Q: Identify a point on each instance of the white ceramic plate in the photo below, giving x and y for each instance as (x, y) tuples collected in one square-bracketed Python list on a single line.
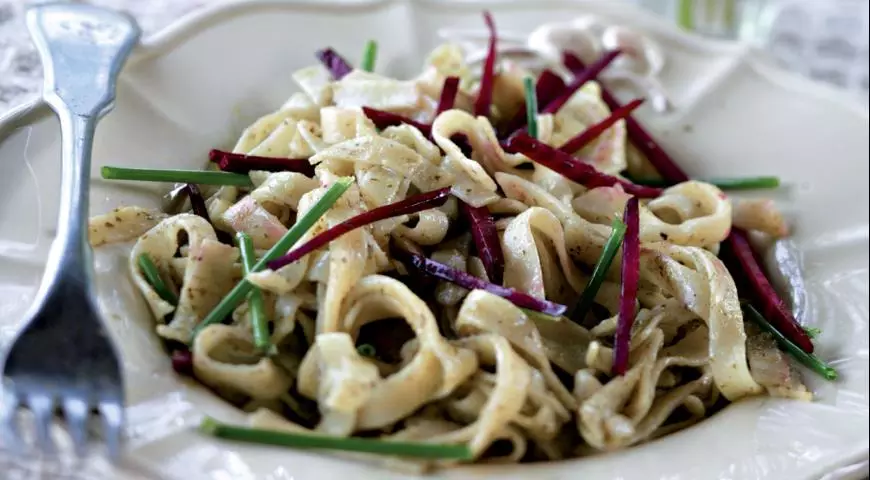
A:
[(195, 85)]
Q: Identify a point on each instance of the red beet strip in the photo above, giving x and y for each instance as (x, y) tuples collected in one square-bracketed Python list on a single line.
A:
[(383, 119), (241, 163), (335, 63), (547, 88), (487, 79), (767, 300), (586, 136), (572, 168), (182, 362), (573, 63), (772, 305), (628, 293), (197, 204), (486, 240), (448, 95), (417, 203), (580, 79), (636, 133), (466, 280)]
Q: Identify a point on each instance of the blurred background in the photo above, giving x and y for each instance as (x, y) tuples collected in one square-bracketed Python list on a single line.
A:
[(826, 40)]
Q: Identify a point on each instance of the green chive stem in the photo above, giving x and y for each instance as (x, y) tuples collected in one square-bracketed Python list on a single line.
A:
[(240, 291), (152, 274), (738, 183), (256, 309), (611, 247), (198, 177), (813, 332), (531, 106), (212, 427), (370, 56), (808, 359)]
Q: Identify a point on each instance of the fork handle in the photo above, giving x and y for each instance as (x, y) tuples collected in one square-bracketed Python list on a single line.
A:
[(70, 256), (82, 50)]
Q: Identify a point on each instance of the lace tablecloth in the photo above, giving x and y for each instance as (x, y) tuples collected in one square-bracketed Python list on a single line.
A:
[(20, 71)]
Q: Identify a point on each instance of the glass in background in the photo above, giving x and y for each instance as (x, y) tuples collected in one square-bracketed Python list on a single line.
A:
[(826, 40)]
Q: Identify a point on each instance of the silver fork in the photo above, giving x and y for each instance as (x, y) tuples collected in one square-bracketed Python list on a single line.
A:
[(64, 356)]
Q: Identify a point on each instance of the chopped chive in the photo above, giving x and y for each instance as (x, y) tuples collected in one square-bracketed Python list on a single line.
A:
[(808, 359), (531, 106), (259, 323), (370, 55), (199, 177), (813, 332), (600, 271), (211, 426), (152, 274), (366, 350), (302, 225), (737, 183)]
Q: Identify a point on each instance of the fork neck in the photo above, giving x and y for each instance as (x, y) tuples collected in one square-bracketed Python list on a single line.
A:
[(71, 254)]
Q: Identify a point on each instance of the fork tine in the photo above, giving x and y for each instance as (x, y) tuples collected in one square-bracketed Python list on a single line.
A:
[(75, 412), (9, 428), (113, 421), (42, 406)]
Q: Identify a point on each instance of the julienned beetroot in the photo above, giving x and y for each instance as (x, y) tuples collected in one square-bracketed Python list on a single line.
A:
[(182, 362), (335, 63), (572, 168), (594, 131), (448, 95), (581, 79), (487, 79), (628, 292), (766, 299), (548, 87), (744, 259), (486, 240), (470, 282), (417, 203), (241, 163), (639, 137), (383, 119)]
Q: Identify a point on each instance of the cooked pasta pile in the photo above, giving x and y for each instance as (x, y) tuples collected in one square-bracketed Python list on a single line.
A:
[(363, 344)]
